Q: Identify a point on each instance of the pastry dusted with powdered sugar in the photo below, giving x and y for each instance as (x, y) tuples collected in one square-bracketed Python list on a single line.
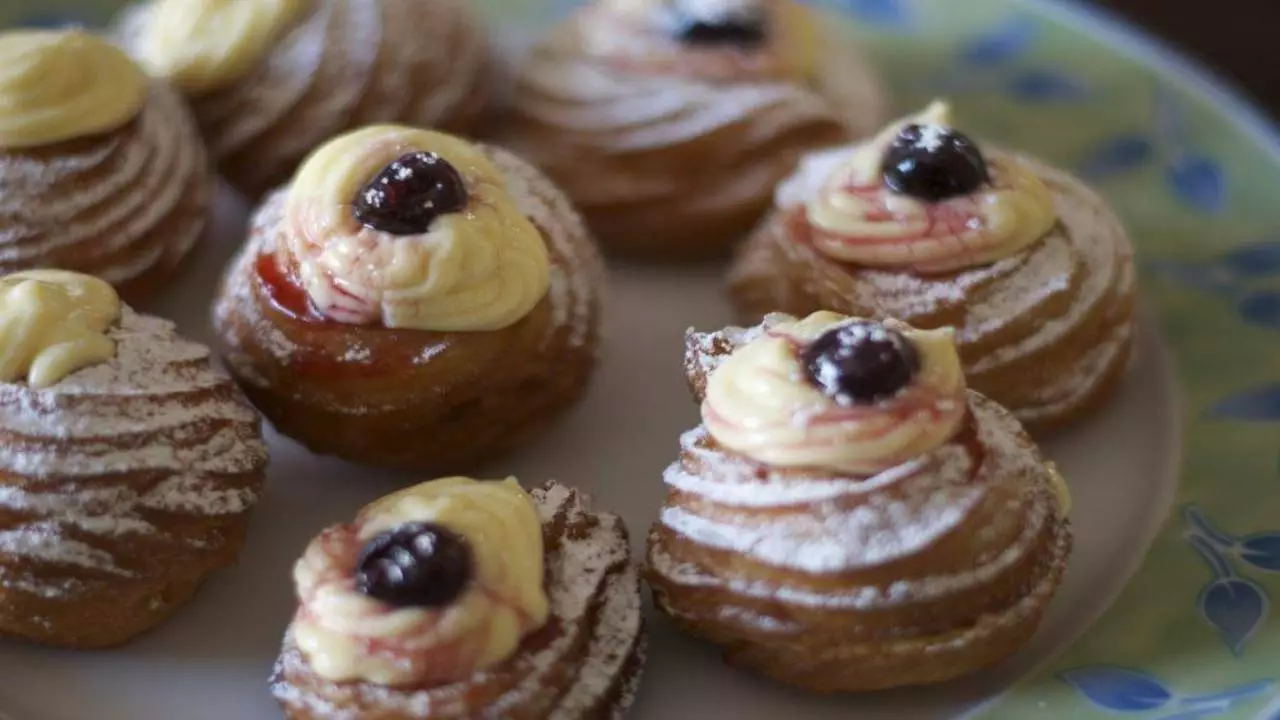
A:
[(849, 516), (459, 599), (670, 121), (271, 79), (128, 464), (1030, 266)]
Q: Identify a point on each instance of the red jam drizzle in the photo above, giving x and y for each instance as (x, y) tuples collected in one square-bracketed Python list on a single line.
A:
[(283, 292)]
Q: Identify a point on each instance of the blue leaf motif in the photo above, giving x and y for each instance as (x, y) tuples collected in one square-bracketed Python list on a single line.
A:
[(1262, 551), (1236, 607), (1195, 714), (1261, 308), (1261, 404), (1117, 155), (1198, 181), (1198, 524), (1046, 86), (1002, 44), (890, 13), (1118, 689), (47, 20), (1256, 260)]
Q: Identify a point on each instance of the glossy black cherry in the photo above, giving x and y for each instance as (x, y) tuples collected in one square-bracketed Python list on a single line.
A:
[(934, 163), (861, 362), (415, 565), (704, 26), (410, 193)]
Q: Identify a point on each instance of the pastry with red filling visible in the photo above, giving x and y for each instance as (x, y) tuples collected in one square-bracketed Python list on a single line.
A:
[(413, 300), (848, 516), (460, 598)]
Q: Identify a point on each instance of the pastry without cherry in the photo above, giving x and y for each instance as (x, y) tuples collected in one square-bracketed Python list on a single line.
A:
[(848, 516), (129, 464), (413, 300), (924, 224), (462, 598), (101, 170)]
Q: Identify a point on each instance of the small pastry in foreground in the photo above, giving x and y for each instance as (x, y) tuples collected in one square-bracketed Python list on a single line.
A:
[(412, 300), (101, 170), (460, 598), (669, 122), (1030, 266), (272, 79), (128, 464), (848, 516)]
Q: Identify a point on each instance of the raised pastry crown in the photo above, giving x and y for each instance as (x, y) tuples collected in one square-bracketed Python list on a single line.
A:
[(837, 393), (204, 45), (63, 85), (922, 196), (52, 323), (483, 537), (412, 229)]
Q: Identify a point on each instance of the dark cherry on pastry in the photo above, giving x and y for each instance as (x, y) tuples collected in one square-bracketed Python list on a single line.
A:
[(129, 464), (462, 598), (881, 527), (746, 87), (922, 224), (413, 300)]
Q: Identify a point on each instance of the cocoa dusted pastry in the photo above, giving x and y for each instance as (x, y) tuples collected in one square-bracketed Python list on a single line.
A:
[(848, 516), (463, 599), (924, 224), (272, 79), (101, 170), (128, 464), (413, 300), (670, 121)]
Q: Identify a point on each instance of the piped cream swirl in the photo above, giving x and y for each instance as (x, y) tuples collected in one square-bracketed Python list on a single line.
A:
[(759, 403), (52, 323), (63, 85), (347, 635), (861, 220), (483, 268), (203, 45)]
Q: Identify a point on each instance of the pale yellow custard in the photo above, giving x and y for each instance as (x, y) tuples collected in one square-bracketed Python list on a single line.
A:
[(346, 635), (1060, 489), (64, 85), (858, 219), (760, 403), (205, 45), (53, 323), (483, 268)]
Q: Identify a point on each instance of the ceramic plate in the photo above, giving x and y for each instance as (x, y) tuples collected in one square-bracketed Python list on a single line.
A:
[(1166, 612)]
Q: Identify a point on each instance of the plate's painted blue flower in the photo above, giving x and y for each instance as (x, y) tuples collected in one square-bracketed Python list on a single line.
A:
[(1198, 181), (1259, 404), (894, 14), (1116, 155), (1044, 86), (47, 20), (1002, 44), (1129, 691), (1240, 276), (1233, 605)]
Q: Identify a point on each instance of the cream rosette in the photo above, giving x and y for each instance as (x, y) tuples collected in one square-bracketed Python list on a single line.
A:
[(760, 403), (205, 45), (857, 218), (349, 636), (483, 268), (52, 323), (63, 85)]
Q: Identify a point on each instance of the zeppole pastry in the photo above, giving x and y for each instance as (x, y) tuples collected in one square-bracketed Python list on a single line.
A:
[(1031, 267), (272, 79), (848, 516), (460, 598), (101, 170), (670, 121), (412, 300), (128, 464)]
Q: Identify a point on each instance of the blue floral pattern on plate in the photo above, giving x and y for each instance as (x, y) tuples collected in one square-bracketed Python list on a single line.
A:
[(1126, 691)]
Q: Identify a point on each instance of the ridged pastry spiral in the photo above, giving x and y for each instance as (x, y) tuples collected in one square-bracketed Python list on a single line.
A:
[(341, 64), (673, 152), (585, 663), (126, 205), (1046, 332), (122, 486), (426, 400), (831, 582)]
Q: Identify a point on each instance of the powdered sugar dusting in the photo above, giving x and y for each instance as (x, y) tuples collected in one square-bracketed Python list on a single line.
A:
[(155, 429)]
